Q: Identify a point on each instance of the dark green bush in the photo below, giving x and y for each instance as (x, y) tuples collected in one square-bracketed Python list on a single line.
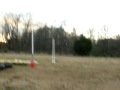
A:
[(82, 46)]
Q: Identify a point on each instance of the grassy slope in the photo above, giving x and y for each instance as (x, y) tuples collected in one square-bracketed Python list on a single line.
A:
[(69, 73)]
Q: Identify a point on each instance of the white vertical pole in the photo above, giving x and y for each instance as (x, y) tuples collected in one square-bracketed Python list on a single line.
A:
[(53, 50), (32, 45)]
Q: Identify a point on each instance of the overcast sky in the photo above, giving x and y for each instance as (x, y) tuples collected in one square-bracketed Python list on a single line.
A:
[(81, 14)]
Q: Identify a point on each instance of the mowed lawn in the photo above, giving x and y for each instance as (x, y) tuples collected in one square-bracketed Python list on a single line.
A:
[(69, 73)]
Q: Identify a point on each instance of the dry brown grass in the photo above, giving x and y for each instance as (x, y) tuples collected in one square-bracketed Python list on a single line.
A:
[(69, 73)]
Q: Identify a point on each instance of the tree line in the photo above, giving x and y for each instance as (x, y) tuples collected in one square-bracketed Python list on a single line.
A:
[(16, 30)]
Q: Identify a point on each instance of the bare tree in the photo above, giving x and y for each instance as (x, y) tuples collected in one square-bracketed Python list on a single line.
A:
[(11, 26), (91, 34), (26, 34), (11, 30)]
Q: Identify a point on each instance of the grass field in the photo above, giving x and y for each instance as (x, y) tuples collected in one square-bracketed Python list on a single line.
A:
[(69, 73)]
